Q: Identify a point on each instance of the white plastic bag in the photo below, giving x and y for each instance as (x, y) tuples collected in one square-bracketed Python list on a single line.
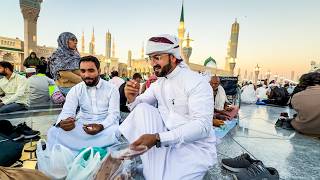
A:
[(53, 163), (82, 169)]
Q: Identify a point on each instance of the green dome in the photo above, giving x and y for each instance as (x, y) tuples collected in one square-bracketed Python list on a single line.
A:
[(210, 62)]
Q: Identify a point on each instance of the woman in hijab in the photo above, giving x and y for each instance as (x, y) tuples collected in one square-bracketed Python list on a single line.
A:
[(32, 61), (64, 63)]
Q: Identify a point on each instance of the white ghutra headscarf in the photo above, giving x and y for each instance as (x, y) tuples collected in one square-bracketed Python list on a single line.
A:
[(165, 43)]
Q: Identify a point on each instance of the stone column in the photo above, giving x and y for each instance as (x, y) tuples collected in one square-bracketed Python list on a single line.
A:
[(30, 10)]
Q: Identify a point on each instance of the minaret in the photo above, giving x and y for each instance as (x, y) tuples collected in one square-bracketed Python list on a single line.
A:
[(232, 47), (92, 44), (30, 10), (82, 43), (292, 76), (181, 29), (129, 58), (108, 45), (245, 76), (187, 50), (142, 51), (113, 49), (234, 39)]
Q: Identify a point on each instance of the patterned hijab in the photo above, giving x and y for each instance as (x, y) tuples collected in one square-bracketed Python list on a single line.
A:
[(64, 58)]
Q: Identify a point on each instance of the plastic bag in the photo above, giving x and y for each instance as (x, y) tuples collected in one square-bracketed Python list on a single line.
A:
[(53, 163), (126, 171), (85, 169)]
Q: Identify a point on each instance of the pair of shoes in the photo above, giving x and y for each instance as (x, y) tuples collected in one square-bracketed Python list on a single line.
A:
[(282, 118), (284, 121), (247, 168), (238, 163), (257, 171), (26, 131)]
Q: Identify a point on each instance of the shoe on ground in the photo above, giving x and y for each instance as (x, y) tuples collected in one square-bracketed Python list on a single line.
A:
[(15, 136), (287, 124), (284, 114), (238, 163), (26, 131), (257, 171), (279, 122)]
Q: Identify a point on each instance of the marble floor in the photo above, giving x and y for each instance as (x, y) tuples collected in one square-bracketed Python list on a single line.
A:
[(294, 155)]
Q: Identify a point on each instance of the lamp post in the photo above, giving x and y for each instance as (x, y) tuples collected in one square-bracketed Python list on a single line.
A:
[(268, 74), (256, 72), (275, 77)]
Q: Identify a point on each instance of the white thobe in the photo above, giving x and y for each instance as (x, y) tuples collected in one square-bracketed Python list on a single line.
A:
[(117, 81), (98, 104), (183, 121), (220, 99), (261, 93), (248, 94)]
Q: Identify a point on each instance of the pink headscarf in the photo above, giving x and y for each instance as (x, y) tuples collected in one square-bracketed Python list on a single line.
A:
[(152, 77)]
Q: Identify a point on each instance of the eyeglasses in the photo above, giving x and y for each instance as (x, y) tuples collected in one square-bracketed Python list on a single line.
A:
[(73, 39), (157, 57)]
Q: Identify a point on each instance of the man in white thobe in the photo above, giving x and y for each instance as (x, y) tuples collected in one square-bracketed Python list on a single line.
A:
[(174, 115), (222, 110), (97, 121)]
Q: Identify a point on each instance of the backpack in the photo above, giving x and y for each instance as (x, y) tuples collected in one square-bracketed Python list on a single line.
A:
[(10, 150)]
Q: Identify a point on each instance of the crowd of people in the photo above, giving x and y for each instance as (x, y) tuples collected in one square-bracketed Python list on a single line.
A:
[(172, 113), (303, 97)]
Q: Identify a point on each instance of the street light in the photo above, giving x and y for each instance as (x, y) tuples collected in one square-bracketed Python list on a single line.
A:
[(256, 71), (275, 77), (268, 74)]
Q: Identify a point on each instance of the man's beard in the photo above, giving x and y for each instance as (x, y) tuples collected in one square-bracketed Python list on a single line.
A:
[(3, 74), (94, 81), (162, 72)]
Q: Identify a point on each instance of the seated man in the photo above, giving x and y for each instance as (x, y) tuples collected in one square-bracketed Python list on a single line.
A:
[(14, 90), (222, 110), (39, 87), (306, 103), (172, 117), (98, 118), (277, 96)]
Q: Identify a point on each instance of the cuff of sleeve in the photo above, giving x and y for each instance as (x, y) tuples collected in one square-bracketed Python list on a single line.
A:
[(5, 102), (132, 105), (106, 124), (167, 138)]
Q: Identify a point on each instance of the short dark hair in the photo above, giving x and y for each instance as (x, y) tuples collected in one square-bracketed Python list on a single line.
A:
[(136, 75), (6, 64), (90, 59), (114, 73), (310, 79)]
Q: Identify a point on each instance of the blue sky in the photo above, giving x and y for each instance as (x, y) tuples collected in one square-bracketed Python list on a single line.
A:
[(280, 35)]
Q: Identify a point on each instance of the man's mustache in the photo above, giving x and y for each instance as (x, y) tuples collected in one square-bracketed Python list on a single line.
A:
[(88, 78), (156, 67)]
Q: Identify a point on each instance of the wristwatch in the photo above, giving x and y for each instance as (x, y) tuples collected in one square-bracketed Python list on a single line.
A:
[(158, 142)]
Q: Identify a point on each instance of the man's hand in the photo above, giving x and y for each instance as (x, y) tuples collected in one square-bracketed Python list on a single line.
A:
[(68, 124), (92, 129), (131, 90), (229, 108), (148, 140), (217, 122)]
